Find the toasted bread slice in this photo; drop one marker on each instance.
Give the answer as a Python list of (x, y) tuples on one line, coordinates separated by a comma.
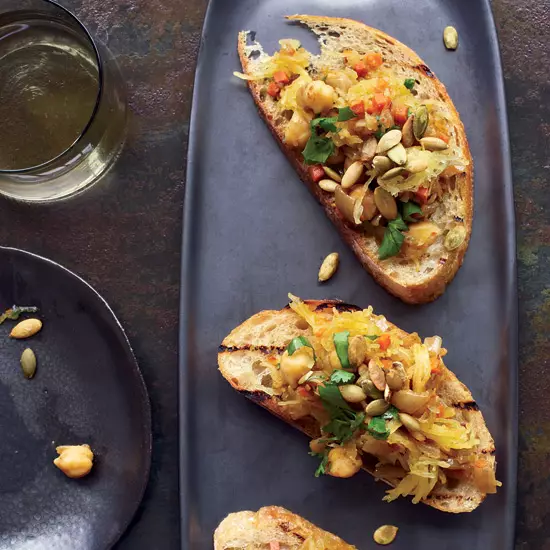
[(271, 527), (423, 268), (265, 337)]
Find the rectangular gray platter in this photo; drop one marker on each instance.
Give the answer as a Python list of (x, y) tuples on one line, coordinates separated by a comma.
[(252, 233)]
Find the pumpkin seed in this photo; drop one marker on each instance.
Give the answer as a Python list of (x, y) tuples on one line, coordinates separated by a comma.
[(408, 136), (420, 122), (398, 154), (455, 237), (388, 140), (393, 173), (433, 144), (409, 422), (357, 350), (26, 328), (385, 534), (345, 204), (328, 185), (377, 376), (414, 166), (387, 394), (329, 266), (396, 377), (363, 370), (332, 174), (369, 206), (377, 407), (369, 388), (352, 174), (450, 38), (385, 203), (381, 164), (352, 393), (368, 150), (28, 363)]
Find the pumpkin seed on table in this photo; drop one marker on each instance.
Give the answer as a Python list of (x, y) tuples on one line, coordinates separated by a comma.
[(332, 174), (450, 38), (328, 185), (398, 154), (26, 329), (385, 534), (28, 363), (329, 266), (455, 237), (388, 140), (420, 122)]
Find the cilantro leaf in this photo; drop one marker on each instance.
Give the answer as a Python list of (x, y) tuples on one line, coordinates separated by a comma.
[(377, 428), (342, 377), (323, 466), (297, 343), (409, 209), (391, 414), (14, 312), (409, 83), (325, 123), (345, 114), (371, 336), (317, 150), (332, 398), (393, 238), (344, 421), (341, 343)]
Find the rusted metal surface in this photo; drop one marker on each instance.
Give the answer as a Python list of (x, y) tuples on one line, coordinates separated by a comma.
[(123, 236)]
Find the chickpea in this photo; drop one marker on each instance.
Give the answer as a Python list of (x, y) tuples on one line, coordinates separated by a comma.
[(297, 131), (344, 461), (339, 80), (317, 445), (316, 96), (74, 460)]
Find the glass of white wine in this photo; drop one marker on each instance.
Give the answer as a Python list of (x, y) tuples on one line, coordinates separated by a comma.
[(62, 103)]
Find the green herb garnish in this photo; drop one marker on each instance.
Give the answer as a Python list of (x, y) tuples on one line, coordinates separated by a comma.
[(341, 340), (377, 428), (323, 466), (297, 343), (319, 148), (409, 209), (342, 377), (409, 83), (15, 312), (393, 238), (371, 337), (391, 414)]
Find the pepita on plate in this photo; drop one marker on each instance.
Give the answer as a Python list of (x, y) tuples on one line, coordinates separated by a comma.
[(329, 266), (26, 328), (450, 38), (28, 363)]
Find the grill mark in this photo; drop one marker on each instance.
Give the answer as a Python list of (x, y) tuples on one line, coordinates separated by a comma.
[(339, 306), (426, 70), (249, 347), (467, 406), (255, 396)]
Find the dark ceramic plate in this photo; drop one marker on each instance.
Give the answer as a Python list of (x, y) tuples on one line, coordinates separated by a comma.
[(87, 389), (253, 233)]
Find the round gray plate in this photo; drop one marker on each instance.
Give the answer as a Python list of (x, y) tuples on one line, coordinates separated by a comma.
[(87, 389)]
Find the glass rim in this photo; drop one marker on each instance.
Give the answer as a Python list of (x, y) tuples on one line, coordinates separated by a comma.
[(82, 133)]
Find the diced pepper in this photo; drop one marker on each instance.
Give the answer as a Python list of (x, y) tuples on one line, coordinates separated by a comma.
[(373, 60), (358, 108), (273, 89), (443, 136), (384, 341), (400, 113), (316, 173), (303, 392), (378, 103), (381, 85), (386, 363), (440, 410), (281, 77), (421, 196), (435, 365), (361, 69)]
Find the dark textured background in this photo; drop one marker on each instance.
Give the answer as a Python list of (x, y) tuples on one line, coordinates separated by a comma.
[(123, 236)]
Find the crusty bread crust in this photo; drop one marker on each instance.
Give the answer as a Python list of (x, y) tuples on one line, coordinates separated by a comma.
[(425, 289), (270, 524), (269, 333)]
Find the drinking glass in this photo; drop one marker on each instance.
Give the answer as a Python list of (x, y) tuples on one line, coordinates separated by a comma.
[(62, 103)]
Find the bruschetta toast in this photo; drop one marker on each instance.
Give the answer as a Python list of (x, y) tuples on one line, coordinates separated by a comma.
[(370, 396), (273, 528), (377, 139)]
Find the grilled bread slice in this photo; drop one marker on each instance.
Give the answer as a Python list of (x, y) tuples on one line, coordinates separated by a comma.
[(416, 264), (270, 528), (253, 358)]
